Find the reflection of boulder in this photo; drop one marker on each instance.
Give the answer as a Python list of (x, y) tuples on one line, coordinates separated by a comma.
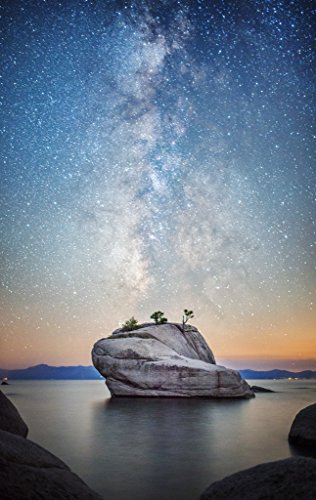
[(164, 360), (10, 419), (303, 430), (28, 471), (292, 478)]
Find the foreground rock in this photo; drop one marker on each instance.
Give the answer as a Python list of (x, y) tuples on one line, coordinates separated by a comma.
[(10, 419), (303, 430), (164, 360), (290, 479), (29, 472)]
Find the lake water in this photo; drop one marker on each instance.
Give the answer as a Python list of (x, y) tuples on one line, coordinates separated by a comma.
[(157, 449)]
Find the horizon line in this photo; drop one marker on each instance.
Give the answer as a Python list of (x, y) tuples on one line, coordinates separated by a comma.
[(298, 370)]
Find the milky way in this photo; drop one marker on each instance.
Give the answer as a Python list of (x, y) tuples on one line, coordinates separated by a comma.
[(157, 155)]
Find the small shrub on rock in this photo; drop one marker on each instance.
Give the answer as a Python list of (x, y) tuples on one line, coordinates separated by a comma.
[(130, 324)]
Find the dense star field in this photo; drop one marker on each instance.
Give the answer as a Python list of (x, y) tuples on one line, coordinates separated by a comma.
[(157, 155)]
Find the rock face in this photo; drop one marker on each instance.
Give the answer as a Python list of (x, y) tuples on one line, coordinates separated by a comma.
[(10, 419), (162, 360), (289, 479), (29, 472), (303, 430)]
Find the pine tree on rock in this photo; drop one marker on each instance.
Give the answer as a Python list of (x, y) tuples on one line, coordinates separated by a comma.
[(186, 316), (158, 317)]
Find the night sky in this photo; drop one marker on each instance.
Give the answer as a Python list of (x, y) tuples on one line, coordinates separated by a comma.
[(158, 155)]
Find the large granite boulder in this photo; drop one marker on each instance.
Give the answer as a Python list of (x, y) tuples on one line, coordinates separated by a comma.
[(10, 419), (28, 471), (303, 429), (164, 360), (290, 479)]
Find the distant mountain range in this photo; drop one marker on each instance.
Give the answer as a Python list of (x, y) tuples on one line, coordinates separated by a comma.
[(46, 372), (276, 374)]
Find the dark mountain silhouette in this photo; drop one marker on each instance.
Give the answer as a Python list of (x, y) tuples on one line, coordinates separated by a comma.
[(276, 374), (46, 372)]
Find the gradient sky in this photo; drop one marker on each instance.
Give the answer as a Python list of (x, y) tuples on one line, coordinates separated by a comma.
[(158, 155)]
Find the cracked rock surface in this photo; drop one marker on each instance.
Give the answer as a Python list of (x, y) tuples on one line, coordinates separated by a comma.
[(164, 360)]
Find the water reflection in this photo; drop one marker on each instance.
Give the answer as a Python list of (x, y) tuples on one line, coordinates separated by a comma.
[(166, 448), (141, 449)]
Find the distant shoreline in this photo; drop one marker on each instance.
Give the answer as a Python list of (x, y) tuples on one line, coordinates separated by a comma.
[(46, 372)]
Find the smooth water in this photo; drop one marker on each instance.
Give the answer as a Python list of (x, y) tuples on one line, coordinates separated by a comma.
[(157, 449)]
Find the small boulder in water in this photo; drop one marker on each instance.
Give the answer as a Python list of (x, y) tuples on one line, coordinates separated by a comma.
[(303, 429), (257, 388)]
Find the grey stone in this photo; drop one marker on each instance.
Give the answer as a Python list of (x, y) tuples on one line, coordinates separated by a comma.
[(303, 429), (290, 479), (257, 388), (164, 360), (28, 471), (10, 419)]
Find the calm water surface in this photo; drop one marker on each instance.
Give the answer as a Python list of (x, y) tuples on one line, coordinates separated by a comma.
[(157, 449)]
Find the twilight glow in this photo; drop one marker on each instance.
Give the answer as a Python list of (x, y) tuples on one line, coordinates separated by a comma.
[(158, 155)]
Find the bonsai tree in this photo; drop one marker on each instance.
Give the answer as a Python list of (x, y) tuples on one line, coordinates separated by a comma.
[(159, 318), (186, 316), (130, 324)]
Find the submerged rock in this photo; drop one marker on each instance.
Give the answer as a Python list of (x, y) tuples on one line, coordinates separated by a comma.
[(164, 360), (303, 429), (10, 419), (290, 479), (257, 388)]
